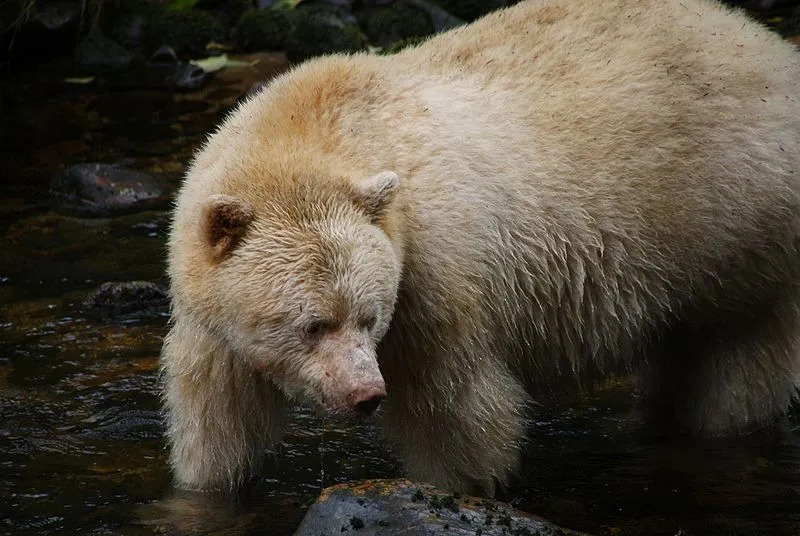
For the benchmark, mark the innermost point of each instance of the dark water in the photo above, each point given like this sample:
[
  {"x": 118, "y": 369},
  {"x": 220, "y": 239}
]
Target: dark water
[{"x": 81, "y": 446}]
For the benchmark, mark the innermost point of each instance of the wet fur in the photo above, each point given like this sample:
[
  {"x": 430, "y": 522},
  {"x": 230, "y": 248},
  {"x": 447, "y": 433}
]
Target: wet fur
[{"x": 584, "y": 187}]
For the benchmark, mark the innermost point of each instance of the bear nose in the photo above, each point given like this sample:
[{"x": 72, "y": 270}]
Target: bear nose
[{"x": 365, "y": 400}]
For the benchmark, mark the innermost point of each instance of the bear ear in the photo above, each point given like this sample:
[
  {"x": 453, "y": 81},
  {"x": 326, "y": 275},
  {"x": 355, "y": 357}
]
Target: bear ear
[
  {"x": 376, "y": 193},
  {"x": 225, "y": 219}
]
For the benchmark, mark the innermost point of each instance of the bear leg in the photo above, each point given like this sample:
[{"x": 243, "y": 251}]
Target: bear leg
[
  {"x": 731, "y": 377},
  {"x": 464, "y": 435},
  {"x": 221, "y": 413}
]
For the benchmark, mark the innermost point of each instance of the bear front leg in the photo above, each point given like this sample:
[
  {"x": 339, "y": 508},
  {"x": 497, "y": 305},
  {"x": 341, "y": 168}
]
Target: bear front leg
[
  {"x": 464, "y": 432},
  {"x": 221, "y": 413}
]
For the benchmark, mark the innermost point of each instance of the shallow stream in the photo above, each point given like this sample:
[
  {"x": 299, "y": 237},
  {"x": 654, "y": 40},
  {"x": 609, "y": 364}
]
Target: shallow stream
[{"x": 81, "y": 437}]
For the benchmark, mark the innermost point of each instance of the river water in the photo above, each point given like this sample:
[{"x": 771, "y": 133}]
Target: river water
[{"x": 81, "y": 436}]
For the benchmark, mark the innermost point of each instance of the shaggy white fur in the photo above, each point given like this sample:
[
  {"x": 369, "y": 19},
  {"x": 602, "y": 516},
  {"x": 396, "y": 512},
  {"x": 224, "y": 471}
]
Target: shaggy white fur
[{"x": 569, "y": 187}]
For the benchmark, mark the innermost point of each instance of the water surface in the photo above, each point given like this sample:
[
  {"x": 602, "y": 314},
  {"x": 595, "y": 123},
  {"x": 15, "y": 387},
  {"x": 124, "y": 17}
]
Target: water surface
[{"x": 81, "y": 436}]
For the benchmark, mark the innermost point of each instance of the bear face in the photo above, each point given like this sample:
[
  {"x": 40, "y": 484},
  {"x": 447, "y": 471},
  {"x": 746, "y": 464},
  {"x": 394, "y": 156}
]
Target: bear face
[{"x": 308, "y": 282}]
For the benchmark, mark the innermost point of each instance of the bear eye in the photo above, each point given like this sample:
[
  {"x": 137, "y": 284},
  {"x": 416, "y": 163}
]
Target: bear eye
[
  {"x": 315, "y": 328},
  {"x": 369, "y": 322}
]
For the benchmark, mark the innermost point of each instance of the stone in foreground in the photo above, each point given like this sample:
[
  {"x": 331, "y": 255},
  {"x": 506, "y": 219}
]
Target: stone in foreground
[{"x": 394, "y": 507}]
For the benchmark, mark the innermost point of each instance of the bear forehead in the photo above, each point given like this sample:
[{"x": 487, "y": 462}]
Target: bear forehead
[{"x": 322, "y": 252}]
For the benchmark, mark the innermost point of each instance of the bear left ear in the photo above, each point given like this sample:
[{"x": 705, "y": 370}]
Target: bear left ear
[
  {"x": 226, "y": 219},
  {"x": 376, "y": 193}
]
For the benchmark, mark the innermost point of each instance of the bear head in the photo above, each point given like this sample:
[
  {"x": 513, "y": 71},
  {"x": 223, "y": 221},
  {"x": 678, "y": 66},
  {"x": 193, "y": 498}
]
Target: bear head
[{"x": 298, "y": 276}]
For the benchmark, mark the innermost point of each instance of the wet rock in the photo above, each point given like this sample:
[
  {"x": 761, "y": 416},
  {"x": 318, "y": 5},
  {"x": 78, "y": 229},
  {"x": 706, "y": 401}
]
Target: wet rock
[
  {"x": 165, "y": 70},
  {"x": 319, "y": 29},
  {"x": 262, "y": 29},
  {"x": 126, "y": 297},
  {"x": 400, "y": 20},
  {"x": 97, "y": 53},
  {"x": 395, "y": 507},
  {"x": 162, "y": 71},
  {"x": 105, "y": 190}
]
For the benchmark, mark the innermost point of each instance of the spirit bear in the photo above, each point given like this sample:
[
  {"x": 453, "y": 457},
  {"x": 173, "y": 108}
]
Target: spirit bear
[{"x": 563, "y": 188}]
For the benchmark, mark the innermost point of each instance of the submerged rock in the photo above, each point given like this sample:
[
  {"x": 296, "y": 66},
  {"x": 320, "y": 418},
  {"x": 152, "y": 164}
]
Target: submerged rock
[
  {"x": 105, "y": 190},
  {"x": 395, "y": 507},
  {"x": 126, "y": 297}
]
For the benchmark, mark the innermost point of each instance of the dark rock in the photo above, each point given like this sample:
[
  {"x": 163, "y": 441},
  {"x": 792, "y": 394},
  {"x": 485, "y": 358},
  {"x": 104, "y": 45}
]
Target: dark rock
[
  {"x": 187, "y": 31},
  {"x": 227, "y": 12},
  {"x": 97, "y": 53},
  {"x": 397, "y": 46},
  {"x": 186, "y": 76},
  {"x": 395, "y": 507},
  {"x": 472, "y": 9},
  {"x": 162, "y": 71},
  {"x": 105, "y": 190},
  {"x": 401, "y": 20},
  {"x": 40, "y": 30},
  {"x": 128, "y": 22},
  {"x": 165, "y": 69},
  {"x": 164, "y": 54},
  {"x": 126, "y": 297},
  {"x": 262, "y": 29},
  {"x": 441, "y": 19},
  {"x": 319, "y": 30},
  {"x": 57, "y": 15}
]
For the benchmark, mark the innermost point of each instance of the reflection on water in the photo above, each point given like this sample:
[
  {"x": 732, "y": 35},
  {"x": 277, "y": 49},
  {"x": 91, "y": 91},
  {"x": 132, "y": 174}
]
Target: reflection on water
[{"x": 81, "y": 444}]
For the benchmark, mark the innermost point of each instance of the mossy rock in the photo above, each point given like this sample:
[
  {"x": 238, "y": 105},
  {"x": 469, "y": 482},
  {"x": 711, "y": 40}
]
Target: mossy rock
[
  {"x": 319, "y": 30},
  {"x": 262, "y": 29},
  {"x": 187, "y": 31},
  {"x": 387, "y": 24}
]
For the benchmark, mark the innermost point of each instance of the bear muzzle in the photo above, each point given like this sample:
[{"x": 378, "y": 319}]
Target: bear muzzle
[
  {"x": 361, "y": 387},
  {"x": 365, "y": 399}
]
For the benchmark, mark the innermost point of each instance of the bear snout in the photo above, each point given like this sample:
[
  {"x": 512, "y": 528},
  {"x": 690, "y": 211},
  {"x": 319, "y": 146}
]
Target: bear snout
[{"x": 366, "y": 399}]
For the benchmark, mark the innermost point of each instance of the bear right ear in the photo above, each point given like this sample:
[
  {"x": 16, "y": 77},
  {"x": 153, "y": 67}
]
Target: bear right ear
[
  {"x": 376, "y": 193},
  {"x": 225, "y": 219}
]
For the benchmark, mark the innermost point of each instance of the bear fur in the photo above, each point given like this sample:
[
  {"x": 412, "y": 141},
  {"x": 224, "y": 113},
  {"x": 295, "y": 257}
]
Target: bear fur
[{"x": 562, "y": 188}]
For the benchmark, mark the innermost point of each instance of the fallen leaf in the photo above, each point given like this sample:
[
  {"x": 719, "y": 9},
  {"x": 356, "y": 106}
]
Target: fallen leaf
[
  {"x": 215, "y": 63},
  {"x": 79, "y": 80}
]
